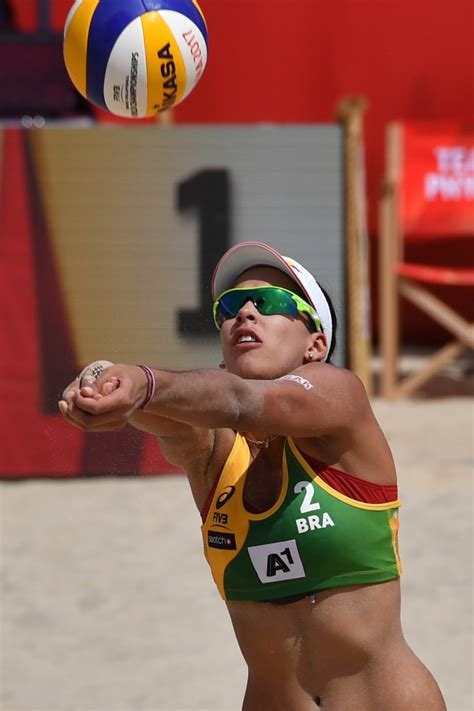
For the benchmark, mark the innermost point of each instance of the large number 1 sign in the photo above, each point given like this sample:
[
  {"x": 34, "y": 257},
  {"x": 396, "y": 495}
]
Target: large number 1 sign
[{"x": 207, "y": 192}]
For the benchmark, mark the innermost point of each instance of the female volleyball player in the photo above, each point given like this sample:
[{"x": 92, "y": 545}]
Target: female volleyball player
[{"x": 297, "y": 490}]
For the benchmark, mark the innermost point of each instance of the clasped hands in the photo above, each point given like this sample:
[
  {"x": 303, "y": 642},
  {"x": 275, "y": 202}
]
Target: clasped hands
[{"x": 104, "y": 397}]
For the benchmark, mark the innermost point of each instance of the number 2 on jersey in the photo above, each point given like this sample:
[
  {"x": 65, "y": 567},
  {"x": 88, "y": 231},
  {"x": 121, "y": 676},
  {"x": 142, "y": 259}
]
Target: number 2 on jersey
[{"x": 308, "y": 503}]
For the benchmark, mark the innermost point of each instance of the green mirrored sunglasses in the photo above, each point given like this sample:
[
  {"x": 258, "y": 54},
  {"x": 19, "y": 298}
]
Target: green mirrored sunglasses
[{"x": 268, "y": 300}]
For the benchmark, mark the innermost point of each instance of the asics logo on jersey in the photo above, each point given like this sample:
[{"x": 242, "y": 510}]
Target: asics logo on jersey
[{"x": 224, "y": 496}]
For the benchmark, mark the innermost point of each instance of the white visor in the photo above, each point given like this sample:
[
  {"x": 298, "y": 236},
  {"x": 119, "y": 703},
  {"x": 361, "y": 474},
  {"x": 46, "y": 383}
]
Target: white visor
[{"x": 251, "y": 254}]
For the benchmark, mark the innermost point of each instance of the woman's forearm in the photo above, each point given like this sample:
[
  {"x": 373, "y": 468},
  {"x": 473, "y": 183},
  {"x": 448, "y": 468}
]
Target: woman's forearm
[{"x": 204, "y": 398}]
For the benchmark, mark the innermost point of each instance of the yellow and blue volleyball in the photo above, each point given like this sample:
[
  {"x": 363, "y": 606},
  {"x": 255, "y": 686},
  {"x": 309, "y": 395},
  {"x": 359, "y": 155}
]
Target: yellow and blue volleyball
[{"x": 135, "y": 58}]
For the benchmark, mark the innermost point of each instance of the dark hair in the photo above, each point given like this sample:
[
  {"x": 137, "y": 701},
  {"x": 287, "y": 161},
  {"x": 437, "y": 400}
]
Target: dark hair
[
  {"x": 310, "y": 324},
  {"x": 332, "y": 311}
]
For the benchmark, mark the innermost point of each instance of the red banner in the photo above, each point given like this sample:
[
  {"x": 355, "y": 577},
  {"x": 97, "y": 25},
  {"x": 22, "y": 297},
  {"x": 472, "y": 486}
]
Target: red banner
[{"x": 437, "y": 181}]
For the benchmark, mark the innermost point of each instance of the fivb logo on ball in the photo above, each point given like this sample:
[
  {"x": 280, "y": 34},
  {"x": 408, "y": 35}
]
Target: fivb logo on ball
[{"x": 135, "y": 58}]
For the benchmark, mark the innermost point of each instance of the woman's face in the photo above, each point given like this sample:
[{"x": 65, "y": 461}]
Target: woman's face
[{"x": 279, "y": 343}]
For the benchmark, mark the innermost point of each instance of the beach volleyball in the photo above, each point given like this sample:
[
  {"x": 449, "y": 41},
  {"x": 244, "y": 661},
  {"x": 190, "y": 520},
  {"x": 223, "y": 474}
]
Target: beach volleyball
[{"x": 135, "y": 58}]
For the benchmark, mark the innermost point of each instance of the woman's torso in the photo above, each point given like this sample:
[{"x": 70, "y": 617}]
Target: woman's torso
[
  {"x": 312, "y": 648},
  {"x": 345, "y": 647},
  {"x": 313, "y": 640}
]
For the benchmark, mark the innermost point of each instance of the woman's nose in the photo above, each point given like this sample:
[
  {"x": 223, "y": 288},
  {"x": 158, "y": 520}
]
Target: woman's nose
[{"x": 246, "y": 312}]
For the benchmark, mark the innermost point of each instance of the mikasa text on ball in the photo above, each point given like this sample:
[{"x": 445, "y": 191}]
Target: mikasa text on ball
[{"x": 135, "y": 58}]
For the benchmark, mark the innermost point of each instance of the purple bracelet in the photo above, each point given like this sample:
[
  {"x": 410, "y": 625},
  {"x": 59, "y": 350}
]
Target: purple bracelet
[{"x": 150, "y": 385}]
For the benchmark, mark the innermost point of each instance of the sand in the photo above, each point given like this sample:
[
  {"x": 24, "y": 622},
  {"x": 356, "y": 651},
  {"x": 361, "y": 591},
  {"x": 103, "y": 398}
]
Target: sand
[{"x": 107, "y": 603}]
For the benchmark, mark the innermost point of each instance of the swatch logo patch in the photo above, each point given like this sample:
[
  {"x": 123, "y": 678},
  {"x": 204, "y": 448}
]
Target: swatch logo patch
[{"x": 222, "y": 541}]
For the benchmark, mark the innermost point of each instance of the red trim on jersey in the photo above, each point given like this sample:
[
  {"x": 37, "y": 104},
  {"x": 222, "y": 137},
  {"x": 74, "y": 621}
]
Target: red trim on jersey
[
  {"x": 210, "y": 496},
  {"x": 353, "y": 486}
]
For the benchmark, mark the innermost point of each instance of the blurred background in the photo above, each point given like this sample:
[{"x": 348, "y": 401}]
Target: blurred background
[
  {"x": 335, "y": 131},
  {"x": 352, "y": 67}
]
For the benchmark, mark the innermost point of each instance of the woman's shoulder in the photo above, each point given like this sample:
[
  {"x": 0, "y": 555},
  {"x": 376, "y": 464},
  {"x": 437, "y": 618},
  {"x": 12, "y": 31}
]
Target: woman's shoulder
[{"x": 334, "y": 380}]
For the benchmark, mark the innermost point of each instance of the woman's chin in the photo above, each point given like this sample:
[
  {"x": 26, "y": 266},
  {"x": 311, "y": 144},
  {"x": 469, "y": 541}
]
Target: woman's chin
[{"x": 252, "y": 371}]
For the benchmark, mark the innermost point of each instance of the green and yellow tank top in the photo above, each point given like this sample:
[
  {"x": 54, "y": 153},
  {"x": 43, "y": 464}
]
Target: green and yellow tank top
[{"x": 312, "y": 538}]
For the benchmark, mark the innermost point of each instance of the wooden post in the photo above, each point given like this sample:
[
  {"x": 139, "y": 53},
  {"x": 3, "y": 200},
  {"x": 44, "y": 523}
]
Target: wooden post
[
  {"x": 350, "y": 111},
  {"x": 437, "y": 362},
  {"x": 165, "y": 118},
  {"x": 389, "y": 255},
  {"x": 438, "y": 310}
]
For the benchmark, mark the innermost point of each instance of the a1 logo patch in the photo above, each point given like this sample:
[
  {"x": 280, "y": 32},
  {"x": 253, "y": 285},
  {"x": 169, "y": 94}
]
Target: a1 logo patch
[{"x": 277, "y": 561}]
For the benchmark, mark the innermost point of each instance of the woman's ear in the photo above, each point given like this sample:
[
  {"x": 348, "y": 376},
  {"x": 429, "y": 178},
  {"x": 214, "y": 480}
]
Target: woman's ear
[{"x": 317, "y": 349}]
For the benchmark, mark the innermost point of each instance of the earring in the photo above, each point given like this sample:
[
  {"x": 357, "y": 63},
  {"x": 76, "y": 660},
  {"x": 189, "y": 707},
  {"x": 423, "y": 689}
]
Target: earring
[
  {"x": 222, "y": 365},
  {"x": 310, "y": 356}
]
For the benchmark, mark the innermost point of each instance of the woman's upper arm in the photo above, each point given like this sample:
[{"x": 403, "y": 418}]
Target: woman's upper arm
[
  {"x": 313, "y": 401},
  {"x": 184, "y": 446}
]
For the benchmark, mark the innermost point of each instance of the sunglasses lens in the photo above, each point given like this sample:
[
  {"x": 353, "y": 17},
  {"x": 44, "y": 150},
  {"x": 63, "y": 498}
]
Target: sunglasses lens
[
  {"x": 267, "y": 301},
  {"x": 224, "y": 311}
]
